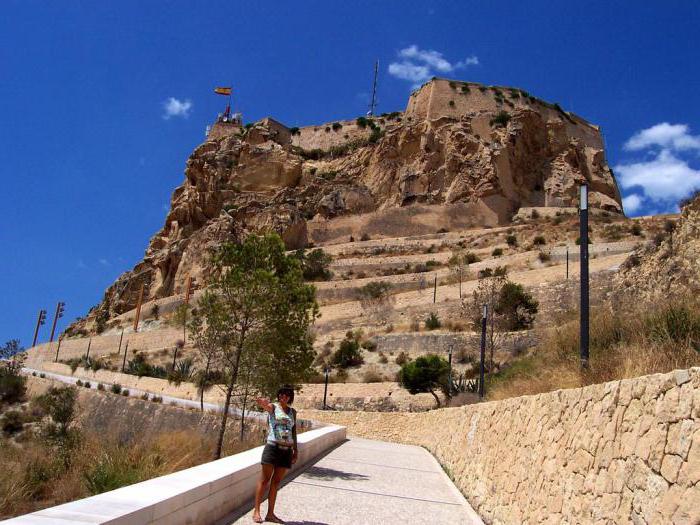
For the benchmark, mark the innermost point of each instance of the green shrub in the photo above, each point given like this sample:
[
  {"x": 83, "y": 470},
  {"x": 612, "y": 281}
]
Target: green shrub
[
  {"x": 432, "y": 322},
  {"x": 470, "y": 258},
  {"x": 369, "y": 345},
  {"x": 482, "y": 88},
  {"x": 501, "y": 119},
  {"x": 486, "y": 272},
  {"x": 497, "y": 252},
  {"x": 374, "y": 290},
  {"x": 517, "y": 306},
  {"x": 539, "y": 240},
  {"x": 314, "y": 264},
  {"x": 383, "y": 359},
  {"x": 348, "y": 354},
  {"x": 42, "y": 375},
  {"x": 125, "y": 393},
  {"x": 112, "y": 470},
  {"x": 361, "y": 122},
  {"x": 499, "y": 271},
  {"x": 402, "y": 358},
  {"x": 294, "y": 130},
  {"x": 100, "y": 387},
  {"x": 145, "y": 396},
  {"x": 78, "y": 383},
  {"x": 12, "y": 386},
  {"x": 157, "y": 399},
  {"x": 372, "y": 375},
  {"x": 544, "y": 256},
  {"x": 511, "y": 240},
  {"x": 116, "y": 388},
  {"x": 426, "y": 373},
  {"x": 12, "y": 421},
  {"x": 365, "y": 237},
  {"x": 336, "y": 126},
  {"x": 451, "y": 103},
  {"x": 636, "y": 229}
]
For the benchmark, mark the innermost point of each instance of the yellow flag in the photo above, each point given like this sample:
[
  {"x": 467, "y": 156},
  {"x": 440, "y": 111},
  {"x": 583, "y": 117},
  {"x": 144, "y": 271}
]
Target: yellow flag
[{"x": 222, "y": 91}]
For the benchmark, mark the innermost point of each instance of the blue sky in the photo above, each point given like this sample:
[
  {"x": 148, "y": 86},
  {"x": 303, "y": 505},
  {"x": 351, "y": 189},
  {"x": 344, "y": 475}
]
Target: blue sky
[{"x": 102, "y": 102}]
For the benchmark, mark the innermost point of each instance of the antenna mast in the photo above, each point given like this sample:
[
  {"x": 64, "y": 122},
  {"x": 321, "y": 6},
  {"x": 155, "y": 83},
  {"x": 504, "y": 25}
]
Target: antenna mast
[{"x": 374, "y": 89}]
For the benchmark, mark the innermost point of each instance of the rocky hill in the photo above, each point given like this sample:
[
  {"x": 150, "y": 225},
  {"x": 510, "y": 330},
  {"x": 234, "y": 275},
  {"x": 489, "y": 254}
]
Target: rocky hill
[
  {"x": 668, "y": 265},
  {"x": 461, "y": 155}
]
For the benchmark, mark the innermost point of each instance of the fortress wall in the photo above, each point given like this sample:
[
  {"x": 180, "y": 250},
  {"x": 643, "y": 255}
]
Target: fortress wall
[
  {"x": 223, "y": 129},
  {"x": 432, "y": 101},
  {"x": 316, "y": 137},
  {"x": 623, "y": 451}
]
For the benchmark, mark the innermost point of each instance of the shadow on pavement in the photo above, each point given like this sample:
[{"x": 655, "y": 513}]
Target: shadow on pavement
[{"x": 330, "y": 474}]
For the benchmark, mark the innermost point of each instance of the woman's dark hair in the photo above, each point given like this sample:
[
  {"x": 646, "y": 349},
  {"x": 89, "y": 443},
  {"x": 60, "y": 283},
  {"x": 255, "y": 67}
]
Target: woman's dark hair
[{"x": 286, "y": 389}]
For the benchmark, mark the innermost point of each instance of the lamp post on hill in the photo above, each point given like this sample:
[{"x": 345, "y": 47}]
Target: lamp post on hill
[
  {"x": 583, "y": 235},
  {"x": 484, "y": 315},
  {"x": 326, "y": 371}
]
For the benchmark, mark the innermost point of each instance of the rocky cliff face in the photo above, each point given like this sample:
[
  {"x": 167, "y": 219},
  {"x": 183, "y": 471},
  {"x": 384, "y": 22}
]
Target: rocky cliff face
[
  {"x": 668, "y": 266},
  {"x": 485, "y": 159}
]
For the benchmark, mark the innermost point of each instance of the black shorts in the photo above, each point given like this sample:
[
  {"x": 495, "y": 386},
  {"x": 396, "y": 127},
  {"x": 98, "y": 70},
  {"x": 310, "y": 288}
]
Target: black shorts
[{"x": 277, "y": 456}]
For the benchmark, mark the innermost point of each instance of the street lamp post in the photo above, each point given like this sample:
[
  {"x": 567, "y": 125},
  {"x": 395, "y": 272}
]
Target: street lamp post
[
  {"x": 326, "y": 371},
  {"x": 449, "y": 374},
  {"x": 484, "y": 315},
  {"x": 40, "y": 321},
  {"x": 583, "y": 228}
]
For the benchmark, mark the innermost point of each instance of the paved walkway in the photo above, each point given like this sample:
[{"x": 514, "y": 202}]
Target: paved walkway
[{"x": 370, "y": 482}]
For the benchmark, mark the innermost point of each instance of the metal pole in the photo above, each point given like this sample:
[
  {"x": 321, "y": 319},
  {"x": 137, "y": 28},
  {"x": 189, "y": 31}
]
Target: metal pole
[
  {"x": 87, "y": 354},
  {"x": 583, "y": 223},
  {"x": 484, "y": 315},
  {"x": 120, "y": 342},
  {"x": 126, "y": 351},
  {"x": 567, "y": 263},
  {"x": 435, "y": 289},
  {"x": 449, "y": 375},
  {"x": 55, "y": 318},
  {"x": 40, "y": 321},
  {"x": 374, "y": 90},
  {"x": 325, "y": 389},
  {"x": 58, "y": 348},
  {"x": 460, "y": 282}
]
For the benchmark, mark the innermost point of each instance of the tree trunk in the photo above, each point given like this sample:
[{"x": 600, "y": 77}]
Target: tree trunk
[
  {"x": 437, "y": 399},
  {"x": 204, "y": 380},
  {"x": 245, "y": 399},
  {"x": 224, "y": 419}
]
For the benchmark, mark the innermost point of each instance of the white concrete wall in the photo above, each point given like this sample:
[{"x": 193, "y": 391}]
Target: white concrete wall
[{"x": 199, "y": 495}]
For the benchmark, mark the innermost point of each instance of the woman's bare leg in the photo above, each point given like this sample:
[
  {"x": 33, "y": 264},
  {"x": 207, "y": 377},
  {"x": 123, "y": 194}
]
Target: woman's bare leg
[
  {"x": 274, "y": 485},
  {"x": 265, "y": 476}
]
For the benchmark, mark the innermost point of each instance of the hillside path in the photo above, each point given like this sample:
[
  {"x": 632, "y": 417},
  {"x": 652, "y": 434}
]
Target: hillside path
[{"x": 369, "y": 482}]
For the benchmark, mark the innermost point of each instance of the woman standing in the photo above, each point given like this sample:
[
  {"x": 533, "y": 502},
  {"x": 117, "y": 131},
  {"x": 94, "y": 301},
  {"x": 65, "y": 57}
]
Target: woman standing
[{"x": 280, "y": 452}]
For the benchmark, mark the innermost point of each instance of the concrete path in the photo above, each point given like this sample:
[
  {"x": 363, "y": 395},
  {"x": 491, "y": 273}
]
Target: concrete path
[{"x": 369, "y": 482}]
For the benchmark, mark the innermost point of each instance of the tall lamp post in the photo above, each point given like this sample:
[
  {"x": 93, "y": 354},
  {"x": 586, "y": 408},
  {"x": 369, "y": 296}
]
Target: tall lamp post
[
  {"x": 450, "y": 348},
  {"x": 583, "y": 235},
  {"x": 326, "y": 371},
  {"x": 40, "y": 321},
  {"x": 484, "y": 315}
]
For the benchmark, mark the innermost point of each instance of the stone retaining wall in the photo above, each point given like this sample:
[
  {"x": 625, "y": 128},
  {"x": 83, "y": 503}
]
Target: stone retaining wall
[{"x": 618, "y": 452}]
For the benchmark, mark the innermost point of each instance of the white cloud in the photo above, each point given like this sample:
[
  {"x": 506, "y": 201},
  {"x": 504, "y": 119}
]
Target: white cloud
[
  {"x": 176, "y": 108},
  {"x": 665, "y": 135},
  {"x": 103, "y": 262},
  {"x": 419, "y": 65},
  {"x": 664, "y": 174},
  {"x": 632, "y": 203},
  {"x": 82, "y": 265},
  {"x": 665, "y": 177}
]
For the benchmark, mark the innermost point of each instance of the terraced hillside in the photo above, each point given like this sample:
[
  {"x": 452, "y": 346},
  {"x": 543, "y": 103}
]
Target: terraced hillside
[{"x": 422, "y": 279}]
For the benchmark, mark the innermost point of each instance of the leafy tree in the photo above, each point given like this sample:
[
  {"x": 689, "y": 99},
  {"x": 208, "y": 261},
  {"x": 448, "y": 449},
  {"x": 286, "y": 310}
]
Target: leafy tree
[
  {"x": 432, "y": 322},
  {"x": 517, "y": 307},
  {"x": 268, "y": 310},
  {"x": 209, "y": 331},
  {"x": 12, "y": 383},
  {"x": 314, "y": 264},
  {"x": 426, "y": 373},
  {"x": 348, "y": 353},
  {"x": 59, "y": 404}
]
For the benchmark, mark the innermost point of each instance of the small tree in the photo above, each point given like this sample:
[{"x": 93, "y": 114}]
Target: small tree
[
  {"x": 517, "y": 307},
  {"x": 315, "y": 264},
  {"x": 348, "y": 353},
  {"x": 487, "y": 292},
  {"x": 459, "y": 266},
  {"x": 268, "y": 310},
  {"x": 426, "y": 373},
  {"x": 12, "y": 383},
  {"x": 59, "y": 404}
]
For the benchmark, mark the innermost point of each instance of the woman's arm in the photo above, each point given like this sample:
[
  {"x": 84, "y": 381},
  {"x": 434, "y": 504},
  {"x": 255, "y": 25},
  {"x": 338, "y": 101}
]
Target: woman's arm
[{"x": 265, "y": 404}]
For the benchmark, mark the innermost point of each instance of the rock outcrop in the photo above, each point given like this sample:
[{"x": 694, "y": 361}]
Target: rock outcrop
[
  {"x": 668, "y": 265},
  {"x": 474, "y": 154}
]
